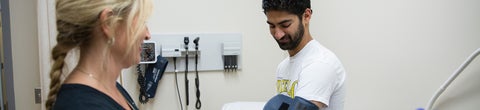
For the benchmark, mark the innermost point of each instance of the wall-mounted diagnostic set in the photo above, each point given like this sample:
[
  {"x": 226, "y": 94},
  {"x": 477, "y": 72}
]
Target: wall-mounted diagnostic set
[{"x": 208, "y": 51}]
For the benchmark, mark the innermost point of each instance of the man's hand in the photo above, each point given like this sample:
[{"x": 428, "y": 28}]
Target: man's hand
[{"x": 319, "y": 104}]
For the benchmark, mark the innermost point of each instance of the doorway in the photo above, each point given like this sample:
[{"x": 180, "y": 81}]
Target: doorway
[
  {"x": 2, "y": 107},
  {"x": 7, "y": 98},
  {"x": 1, "y": 65},
  {"x": 1, "y": 62}
]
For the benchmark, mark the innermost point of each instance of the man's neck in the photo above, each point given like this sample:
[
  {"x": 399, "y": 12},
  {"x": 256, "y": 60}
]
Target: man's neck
[{"x": 307, "y": 38}]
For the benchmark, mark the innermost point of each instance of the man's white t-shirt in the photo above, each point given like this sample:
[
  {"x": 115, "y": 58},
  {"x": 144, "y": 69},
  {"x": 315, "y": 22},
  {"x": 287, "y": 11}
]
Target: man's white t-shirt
[{"x": 314, "y": 73}]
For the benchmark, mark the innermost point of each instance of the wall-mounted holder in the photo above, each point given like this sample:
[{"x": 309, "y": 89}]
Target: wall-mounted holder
[
  {"x": 230, "y": 52},
  {"x": 213, "y": 49}
]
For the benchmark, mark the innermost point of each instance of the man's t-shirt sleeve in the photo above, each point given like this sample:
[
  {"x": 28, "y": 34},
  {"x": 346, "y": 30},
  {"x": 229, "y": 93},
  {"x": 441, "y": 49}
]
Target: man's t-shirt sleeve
[{"x": 317, "y": 82}]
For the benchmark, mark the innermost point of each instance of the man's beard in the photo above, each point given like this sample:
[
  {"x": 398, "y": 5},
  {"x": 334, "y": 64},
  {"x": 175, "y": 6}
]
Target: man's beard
[{"x": 294, "y": 40}]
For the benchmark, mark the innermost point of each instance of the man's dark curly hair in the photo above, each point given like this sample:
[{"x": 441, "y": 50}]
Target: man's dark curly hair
[{"x": 296, "y": 7}]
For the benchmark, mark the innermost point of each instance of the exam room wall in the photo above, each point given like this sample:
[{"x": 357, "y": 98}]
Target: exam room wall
[
  {"x": 24, "y": 40},
  {"x": 260, "y": 54},
  {"x": 396, "y": 52}
]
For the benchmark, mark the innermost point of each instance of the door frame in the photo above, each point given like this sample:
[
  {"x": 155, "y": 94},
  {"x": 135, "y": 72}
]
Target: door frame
[
  {"x": 46, "y": 40},
  {"x": 9, "y": 103}
]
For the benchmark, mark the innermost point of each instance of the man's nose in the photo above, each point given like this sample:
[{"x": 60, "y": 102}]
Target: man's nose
[{"x": 278, "y": 34}]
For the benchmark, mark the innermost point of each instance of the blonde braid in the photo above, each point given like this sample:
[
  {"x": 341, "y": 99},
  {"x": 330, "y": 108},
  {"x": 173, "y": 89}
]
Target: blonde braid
[
  {"x": 59, "y": 53},
  {"x": 55, "y": 74},
  {"x": 69, "y": 36}
]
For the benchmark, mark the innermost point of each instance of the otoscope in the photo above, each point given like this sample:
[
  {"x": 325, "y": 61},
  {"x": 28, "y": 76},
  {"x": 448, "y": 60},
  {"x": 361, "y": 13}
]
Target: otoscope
[
  {"x": 186, "y": 41},
  {"x": 198, "y": 104}
]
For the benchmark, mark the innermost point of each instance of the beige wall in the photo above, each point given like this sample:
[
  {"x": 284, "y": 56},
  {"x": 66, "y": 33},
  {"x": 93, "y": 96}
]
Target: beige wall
[
  {"x": 23, "y": 17},
  {"x": 397, "y": 52},
  {"x": 260, "y": 53}
]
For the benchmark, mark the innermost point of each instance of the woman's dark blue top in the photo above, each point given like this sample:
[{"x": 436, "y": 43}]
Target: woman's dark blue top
[{"x": 82, "y": 97}]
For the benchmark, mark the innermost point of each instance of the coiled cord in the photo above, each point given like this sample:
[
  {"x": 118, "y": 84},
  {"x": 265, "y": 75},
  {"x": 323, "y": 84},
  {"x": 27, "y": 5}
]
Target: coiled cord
[
  {"x": 198, "y": 103},
  {"x": 141, "y": 81}
]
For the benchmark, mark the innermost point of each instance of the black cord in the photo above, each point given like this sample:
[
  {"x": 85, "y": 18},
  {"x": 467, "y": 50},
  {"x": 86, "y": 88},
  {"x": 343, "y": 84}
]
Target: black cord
[
  {"x": 198, "y": 103},
  {"x": 186, "y": 78},
  {"x": 176, "y": 82},
  {"x": 141, "y": 81},
  {"x": 186, "y": 41}
]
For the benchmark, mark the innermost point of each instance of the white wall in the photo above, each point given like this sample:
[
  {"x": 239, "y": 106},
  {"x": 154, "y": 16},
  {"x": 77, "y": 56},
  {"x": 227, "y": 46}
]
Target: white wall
[
  {"x": 396, "y": 52},
  {"x": 26, "y": 75},
  {"x": 255, "y": 82}
]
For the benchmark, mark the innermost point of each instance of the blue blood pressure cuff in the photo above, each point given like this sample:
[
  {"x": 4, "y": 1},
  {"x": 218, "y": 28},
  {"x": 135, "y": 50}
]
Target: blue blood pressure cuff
[
  {"x": 300, "y": 103},
  {"x": 283, "y": 102},
  {"x": 279, "y": 102}
]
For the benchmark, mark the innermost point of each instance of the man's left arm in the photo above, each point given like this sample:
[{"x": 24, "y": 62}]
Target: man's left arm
[
  {"x": 318, "y": 104},
  {"x": 317, "y": 84}
]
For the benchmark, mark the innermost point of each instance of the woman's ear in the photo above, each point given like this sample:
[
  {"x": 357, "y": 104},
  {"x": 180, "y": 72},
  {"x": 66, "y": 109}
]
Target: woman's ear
[{"x": 104, "y": 22}]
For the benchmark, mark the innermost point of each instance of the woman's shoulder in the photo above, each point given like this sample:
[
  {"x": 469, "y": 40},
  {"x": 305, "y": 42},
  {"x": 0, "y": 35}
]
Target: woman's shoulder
[{"x": 82, "y": 97}]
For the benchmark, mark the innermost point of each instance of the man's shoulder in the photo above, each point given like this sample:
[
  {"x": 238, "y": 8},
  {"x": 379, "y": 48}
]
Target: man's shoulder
[{"x": 320, "y": 55}]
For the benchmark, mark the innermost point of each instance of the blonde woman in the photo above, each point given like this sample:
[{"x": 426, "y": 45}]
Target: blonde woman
[{"x": 109, "y": 34}]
